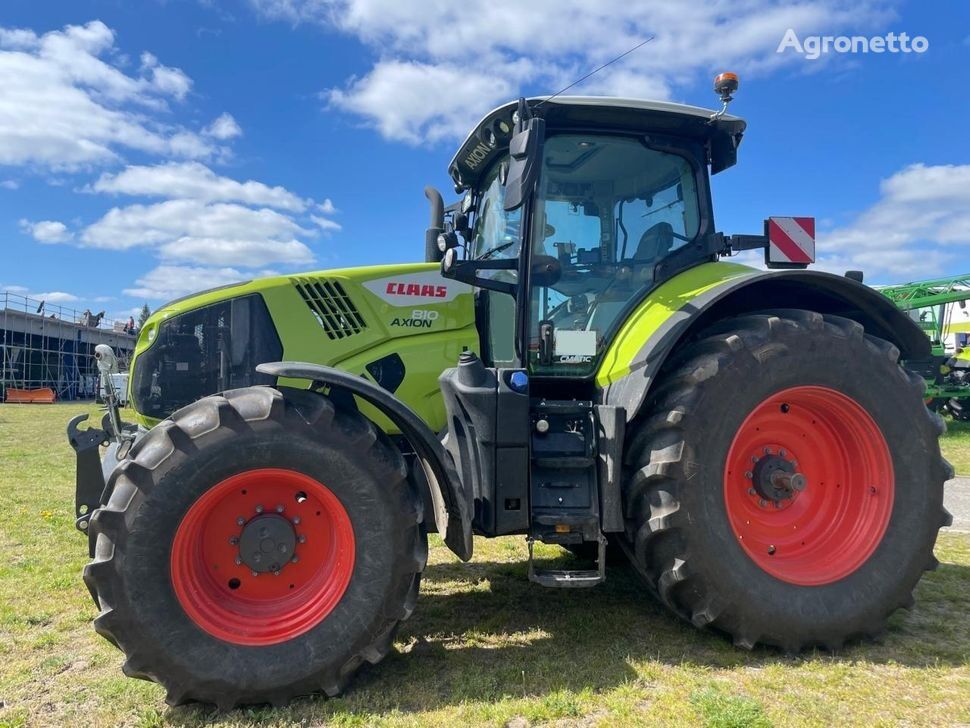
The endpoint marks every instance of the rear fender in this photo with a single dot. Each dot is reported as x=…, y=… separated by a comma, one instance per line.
x=682, y=307
x=452, y=511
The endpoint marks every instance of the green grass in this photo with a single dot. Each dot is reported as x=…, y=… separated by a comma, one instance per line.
x=485, y=647
x=956, y=445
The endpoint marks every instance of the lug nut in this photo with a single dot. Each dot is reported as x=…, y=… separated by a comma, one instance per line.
x=302, y=539
x=767, y=451
x=238, y=561
x=762, y=502
x=233, y=540
x=259, y=509
x=294, y=559
x=279, y=508
x=771, y=550
x=749, y=475
x=296, y=520
x=240, y=521
x=751, y=491
x=276, y=573
x=254, y=572
x=781, y=453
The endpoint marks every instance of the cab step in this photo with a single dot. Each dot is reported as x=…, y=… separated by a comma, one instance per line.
x=570, y=578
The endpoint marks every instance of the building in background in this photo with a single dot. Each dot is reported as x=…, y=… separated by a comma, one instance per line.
x=48, y=346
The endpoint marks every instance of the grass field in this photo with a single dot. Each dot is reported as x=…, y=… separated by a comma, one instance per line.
x=484, y=647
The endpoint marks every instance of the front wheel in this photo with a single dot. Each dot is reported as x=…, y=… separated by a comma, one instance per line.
x=786, y=485
x=256, y=546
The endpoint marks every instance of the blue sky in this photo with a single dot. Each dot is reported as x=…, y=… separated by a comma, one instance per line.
x=148, y=149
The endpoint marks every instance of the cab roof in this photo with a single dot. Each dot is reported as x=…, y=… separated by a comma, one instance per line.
x=721, y=137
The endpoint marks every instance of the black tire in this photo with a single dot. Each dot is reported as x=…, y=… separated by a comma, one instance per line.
x=679, y=536
x=183, y=457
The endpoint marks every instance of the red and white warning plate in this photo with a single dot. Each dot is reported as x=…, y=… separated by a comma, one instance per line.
x=791, y=240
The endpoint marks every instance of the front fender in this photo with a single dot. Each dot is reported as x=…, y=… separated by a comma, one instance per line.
x=452, y=511
x=693, y=300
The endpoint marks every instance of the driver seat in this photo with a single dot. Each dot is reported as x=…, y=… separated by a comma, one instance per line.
x=655, y=243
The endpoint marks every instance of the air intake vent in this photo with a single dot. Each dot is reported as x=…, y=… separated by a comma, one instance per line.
x=332, y=307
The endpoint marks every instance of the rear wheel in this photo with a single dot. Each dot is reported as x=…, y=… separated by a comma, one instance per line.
x=786, y=484
x=256, y=547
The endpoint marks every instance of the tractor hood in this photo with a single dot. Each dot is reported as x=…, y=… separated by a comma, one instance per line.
x=490, y=138
x=399, y=326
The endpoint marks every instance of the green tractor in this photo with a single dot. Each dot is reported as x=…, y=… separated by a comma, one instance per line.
x=575, y=364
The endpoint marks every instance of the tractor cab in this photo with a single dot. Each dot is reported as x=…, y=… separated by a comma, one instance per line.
x=574, y=208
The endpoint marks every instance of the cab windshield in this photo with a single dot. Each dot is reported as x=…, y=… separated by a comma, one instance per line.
x=496, y=235
x=496, y=232
x=608, y=209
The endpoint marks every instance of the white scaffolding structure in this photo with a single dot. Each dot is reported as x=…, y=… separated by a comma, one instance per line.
x=45, y=345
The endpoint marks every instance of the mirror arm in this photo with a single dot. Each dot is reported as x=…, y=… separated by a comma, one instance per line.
x=466, y=273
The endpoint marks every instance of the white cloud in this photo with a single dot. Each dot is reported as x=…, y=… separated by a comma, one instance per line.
x=56, y=297
x=196, y=181
x=71, y=101
x=64, y=106
x=47, y=231
x=189, y=229
x=49, y=297
x=441, y=64
x=325, y=224
x=207, y=219
x=246, y=252
x=223, y=127
x=396, y=97
x=10, y=184
x=166, y=80
x=171, y=281
x=920, y=226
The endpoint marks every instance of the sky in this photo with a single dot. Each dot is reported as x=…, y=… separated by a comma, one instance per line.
x=154, y=148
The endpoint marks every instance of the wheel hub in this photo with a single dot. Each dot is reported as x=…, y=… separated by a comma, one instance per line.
x=775, y=478
x=267, y=543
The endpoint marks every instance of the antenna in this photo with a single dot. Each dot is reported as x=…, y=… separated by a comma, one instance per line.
x=596, y=70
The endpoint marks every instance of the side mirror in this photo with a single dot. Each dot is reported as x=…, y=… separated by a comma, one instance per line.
x=525, y=152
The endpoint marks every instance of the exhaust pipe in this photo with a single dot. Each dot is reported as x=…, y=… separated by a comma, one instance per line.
x=437, y=226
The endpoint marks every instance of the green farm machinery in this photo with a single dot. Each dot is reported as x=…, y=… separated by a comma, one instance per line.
x=576, y=363
x=939, y=307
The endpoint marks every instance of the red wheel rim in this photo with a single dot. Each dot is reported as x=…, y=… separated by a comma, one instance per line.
x=827, y=530
x=262, y=511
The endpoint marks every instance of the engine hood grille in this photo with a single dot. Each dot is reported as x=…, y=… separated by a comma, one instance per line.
x=331, y=306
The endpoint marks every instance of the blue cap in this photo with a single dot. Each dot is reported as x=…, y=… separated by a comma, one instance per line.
x=519, y=382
